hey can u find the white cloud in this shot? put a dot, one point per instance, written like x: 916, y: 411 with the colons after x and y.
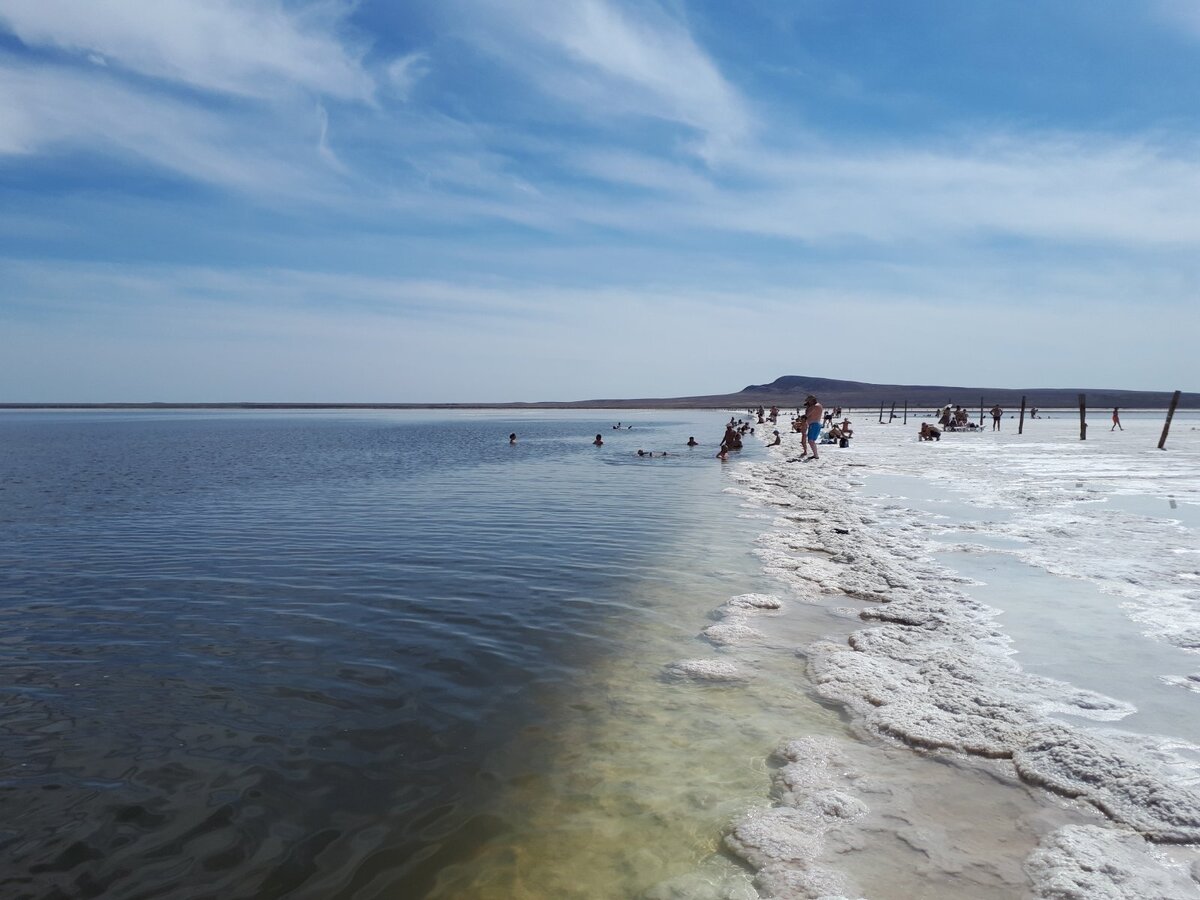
x: 404, y: 73
x: 643, y: 171
x: 253, y: 48
x: 1078, y: 188
x: 47, y: 109
x: 194, y: 333
x: 608, y: 60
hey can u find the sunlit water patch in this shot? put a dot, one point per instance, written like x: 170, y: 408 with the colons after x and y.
x: 374, y: 655
x: 346, y: 655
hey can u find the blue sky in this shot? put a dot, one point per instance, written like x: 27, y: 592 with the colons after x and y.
x: 491, y: 200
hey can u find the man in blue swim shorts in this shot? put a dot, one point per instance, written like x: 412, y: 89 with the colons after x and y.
x: 814, y: 411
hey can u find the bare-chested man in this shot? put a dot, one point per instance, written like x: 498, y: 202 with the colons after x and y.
x: 815, y: 412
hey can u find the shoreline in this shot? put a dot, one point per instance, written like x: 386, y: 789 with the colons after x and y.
x: 929, y: 670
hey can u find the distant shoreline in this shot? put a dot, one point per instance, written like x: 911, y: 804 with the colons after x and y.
x: 785, y: 392
x: 665, y: 405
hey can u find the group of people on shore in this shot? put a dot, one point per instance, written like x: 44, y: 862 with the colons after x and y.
x: 815, y: 419
x: 956, y: 419
x: 815, y: 424
x: 810, y: 423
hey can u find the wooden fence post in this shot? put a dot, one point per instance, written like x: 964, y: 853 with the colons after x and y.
x: 905, y: 412
x: 892, y: 414
x: 1021, y: 421
x: 1083, y: 417
x: 880, y: 413
x: 980, y: 412
x: 1167, y: 424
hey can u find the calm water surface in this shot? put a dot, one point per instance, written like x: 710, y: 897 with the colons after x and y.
x: 274, y: 654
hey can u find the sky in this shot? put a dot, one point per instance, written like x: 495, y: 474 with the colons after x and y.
x: 520, y: 200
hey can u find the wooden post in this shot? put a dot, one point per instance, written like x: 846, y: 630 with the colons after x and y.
x: 980, y: 412
x: 1083, y: 417
x: 1021, y: 421
x: 905, y: 412
x: 892, y: 415
x: 1167, y: 424
x: 880, y: 413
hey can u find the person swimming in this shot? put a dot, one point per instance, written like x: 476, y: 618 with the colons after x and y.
x: 599, y: 441
x: 512, y: 438
x: 692, y: 442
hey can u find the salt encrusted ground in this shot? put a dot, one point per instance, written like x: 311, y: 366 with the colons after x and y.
x: 932, y: 670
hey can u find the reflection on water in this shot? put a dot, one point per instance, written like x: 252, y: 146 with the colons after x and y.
x: 390, y: 655
x: 304, y: 655
x: 1069, y: 630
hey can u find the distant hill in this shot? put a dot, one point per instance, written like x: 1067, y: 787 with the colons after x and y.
x: 790, y: 391
x: 786, y: 391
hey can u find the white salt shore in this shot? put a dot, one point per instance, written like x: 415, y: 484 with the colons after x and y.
x: 934, y: 669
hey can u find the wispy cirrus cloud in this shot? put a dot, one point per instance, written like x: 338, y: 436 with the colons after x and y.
x: 49, y: 109
x: 1064, y: 187
x: 198, y: 333
x: 152, y: 84
x: 606, y: 59
x: 404, y: 72
x: 252, y: 48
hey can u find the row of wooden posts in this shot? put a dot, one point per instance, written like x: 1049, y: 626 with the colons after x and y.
x: 1162, y: 441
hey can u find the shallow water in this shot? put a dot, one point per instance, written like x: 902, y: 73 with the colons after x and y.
x: 1068, y: 629
x: 1088, y: 549
x: 290, y: 654
x: 1090, y: 620
x: 387, y: 654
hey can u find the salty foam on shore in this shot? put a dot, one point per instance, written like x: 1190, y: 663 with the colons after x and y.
x: 936, y: 673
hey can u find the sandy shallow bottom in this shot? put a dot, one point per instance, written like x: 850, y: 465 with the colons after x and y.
x: 965, y: 671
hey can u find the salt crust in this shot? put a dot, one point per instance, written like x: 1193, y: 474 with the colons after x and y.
x: 941, y: 677
x: 755, y: 602
x: 1082, y: 862
x: 732, y: 630
x: 937, y: 673
x: 716, y: 670
x: 1078, y: 764
x: 786, y: 844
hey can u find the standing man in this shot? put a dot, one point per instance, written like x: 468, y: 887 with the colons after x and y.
x: 997, y: 412
x: 815, y: 412
x: 1116, y: 420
